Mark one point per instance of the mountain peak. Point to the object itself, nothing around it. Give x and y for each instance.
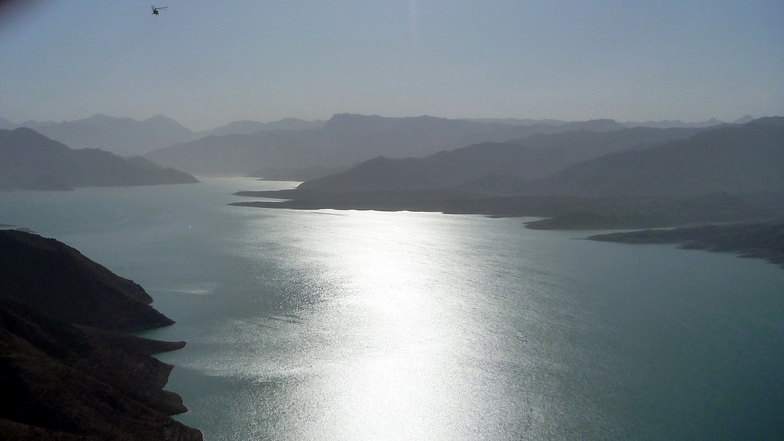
(597, 125)
(160, 118)
(100, 118)
(770, 120)
(744, 120)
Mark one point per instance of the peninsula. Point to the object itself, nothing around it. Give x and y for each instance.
(69, 369)
(761, 240)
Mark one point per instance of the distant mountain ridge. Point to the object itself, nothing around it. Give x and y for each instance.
(639, 161)
(250, 127)
(727, 173)
(668, 124)
(738, 159)
(664, 124)
(30, 160)
(129, 137)
(521, 160)
(122, 136)
(391, 137)
(348, 139)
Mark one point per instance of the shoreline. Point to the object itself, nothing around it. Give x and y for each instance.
(72, 364)
(731, 223)
(756, 240)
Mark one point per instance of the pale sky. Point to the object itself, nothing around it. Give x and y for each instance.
(206, 63)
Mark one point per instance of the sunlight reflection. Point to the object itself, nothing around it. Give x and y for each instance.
(384, 331)
(393, 327)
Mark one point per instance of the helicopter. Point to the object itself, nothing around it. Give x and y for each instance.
(155, 10)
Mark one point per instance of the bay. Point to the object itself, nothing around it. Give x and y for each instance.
(361, 325)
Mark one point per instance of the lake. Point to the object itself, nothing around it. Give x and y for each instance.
(362, 325)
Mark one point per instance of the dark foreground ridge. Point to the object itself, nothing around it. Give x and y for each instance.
(86, 293)
(761, 240)
(68, 370)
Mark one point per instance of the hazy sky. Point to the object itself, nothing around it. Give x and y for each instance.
(206, 63)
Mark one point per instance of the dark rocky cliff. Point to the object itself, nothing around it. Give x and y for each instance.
(86, 381)
(59, 280)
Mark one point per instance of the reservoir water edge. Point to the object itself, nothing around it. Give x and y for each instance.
(361, 325)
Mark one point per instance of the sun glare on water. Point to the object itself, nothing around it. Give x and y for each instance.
(389, 351)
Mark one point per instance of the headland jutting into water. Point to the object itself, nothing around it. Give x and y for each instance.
(69, 368)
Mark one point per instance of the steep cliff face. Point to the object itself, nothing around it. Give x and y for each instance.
(59, 280)
(86, 381)
(59, 380)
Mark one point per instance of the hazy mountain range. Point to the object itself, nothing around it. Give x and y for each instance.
(638, 161)
(628, 178)
(489, 164)
(733, 159)
(292, 144)
(348, 139)
(598, 172)
(123, 136)
(251, 127)
(129, 137)
(666, 124)
(29, 160)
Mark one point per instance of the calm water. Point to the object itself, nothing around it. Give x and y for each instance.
(349, 325)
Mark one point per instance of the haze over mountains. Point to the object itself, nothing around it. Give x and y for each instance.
(517, 161)
(123, 136)
(291, 144)
(345, 140)
(31, 161)
(628, 178)
(734, 159)
(129, 137)
(639, 161)
(646, 174)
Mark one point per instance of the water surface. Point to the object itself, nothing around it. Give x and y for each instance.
(361, 325)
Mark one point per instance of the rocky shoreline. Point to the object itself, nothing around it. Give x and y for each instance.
(68, 367)
(561, 212)
(720, 221)
(759, 240)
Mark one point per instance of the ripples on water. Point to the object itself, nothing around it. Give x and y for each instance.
(350, 325)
